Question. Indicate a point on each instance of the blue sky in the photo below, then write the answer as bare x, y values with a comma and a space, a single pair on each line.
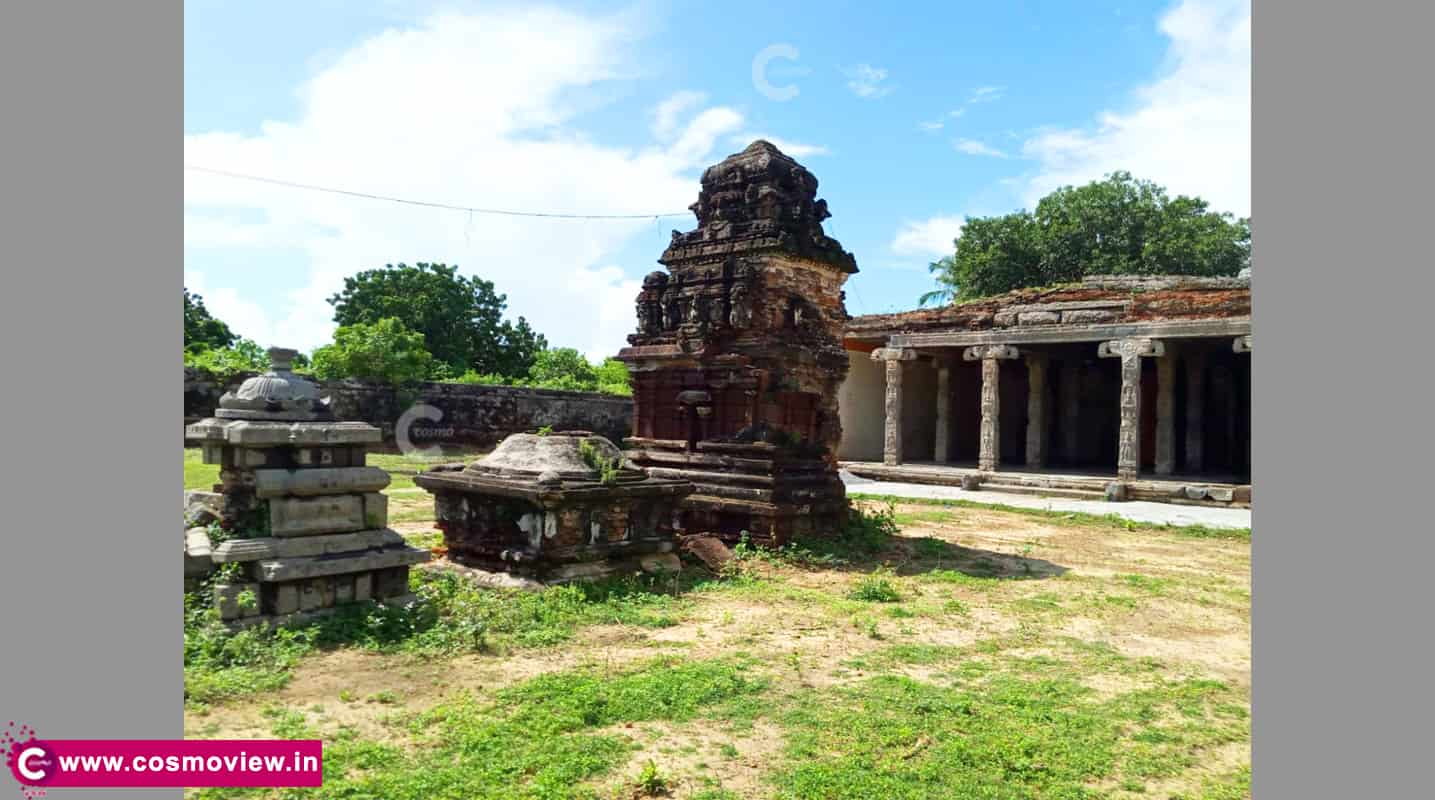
910, 121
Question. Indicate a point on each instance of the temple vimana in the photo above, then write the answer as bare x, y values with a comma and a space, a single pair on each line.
752, 381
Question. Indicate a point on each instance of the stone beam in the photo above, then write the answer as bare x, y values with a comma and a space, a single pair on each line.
1036, 410
991, 357
892, 427
1130, 351
1057, 334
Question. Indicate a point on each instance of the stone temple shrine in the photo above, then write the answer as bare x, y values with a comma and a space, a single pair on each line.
738, 355
301, 513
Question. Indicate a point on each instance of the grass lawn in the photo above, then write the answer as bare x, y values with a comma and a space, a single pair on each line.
938, 650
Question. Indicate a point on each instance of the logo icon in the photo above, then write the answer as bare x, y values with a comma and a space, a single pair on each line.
31, 761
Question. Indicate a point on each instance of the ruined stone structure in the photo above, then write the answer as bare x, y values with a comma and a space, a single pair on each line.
1118, 386
554, 508
738, 354
301, 511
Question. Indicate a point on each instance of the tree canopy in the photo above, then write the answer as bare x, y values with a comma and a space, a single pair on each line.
1117, 225
385, 350
202, 331
459, 318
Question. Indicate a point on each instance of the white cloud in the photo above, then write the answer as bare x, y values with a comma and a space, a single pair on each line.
987, 94
972, 147
794, 149
1189, 130
865, 81
956, 112
931, 237
933, 125
469, 109
668, 112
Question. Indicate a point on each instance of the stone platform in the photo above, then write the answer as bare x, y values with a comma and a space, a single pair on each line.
1071, 484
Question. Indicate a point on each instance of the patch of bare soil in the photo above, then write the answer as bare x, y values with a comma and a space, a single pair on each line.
698, 756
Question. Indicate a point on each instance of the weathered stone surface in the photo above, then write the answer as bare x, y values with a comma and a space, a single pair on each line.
363, 587
990, 436
708, 549
1088, 317
305, 516
1166, 414
943, 434
198, 556
1116, 492
1038, 318
286, 599
971, 482
1036, 415
289, 569
319, 481
296, 547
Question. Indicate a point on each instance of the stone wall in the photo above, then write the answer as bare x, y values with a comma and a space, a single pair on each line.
473, 416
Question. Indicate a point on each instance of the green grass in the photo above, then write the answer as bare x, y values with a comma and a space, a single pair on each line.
1066, 518
539, 739
453, 616
1005, 727
197, 474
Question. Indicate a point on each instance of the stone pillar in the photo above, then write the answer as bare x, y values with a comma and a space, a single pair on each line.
991, 356
892, 429
1195, 410
1036, 410
1070, 411
1166, 414
1130, 351
944, 413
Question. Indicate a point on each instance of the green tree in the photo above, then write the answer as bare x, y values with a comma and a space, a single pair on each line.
460, 318
385, 350
613, 377
563, 368
243, 355
1117, 225
201, 329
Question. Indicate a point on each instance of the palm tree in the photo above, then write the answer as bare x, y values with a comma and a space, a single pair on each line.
945, 270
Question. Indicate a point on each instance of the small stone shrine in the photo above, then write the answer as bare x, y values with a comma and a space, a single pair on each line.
555, 507
738, 355
300, 511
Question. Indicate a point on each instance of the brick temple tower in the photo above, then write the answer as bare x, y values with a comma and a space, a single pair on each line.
738, 355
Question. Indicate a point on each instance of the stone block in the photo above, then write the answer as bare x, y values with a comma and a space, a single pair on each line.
1196, 492
311, 596
327, 592
971, 482
376, 510
1038, 318
246, 433
307, 516
343, 590
198, 556
394, 581
363, 587
286, 598
661, 563
1116, 492
1223, 494
1003, 319
319, 481
245, 550
288, 569
1087, 317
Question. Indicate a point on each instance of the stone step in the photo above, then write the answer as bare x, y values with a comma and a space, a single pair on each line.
1046, 491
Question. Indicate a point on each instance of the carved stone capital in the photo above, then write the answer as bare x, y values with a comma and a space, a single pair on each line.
1242, 344
893, 354
1124, 348
982, 352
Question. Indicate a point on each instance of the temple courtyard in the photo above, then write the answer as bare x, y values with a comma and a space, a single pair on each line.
939, 648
